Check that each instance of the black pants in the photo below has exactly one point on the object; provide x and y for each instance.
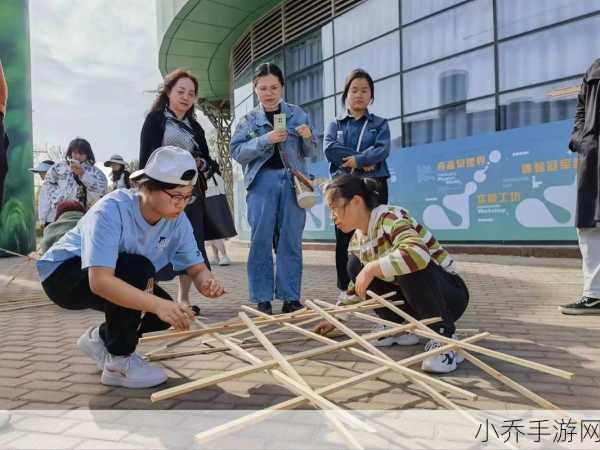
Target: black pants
(431, 292)
(342, 240)
(69, 288)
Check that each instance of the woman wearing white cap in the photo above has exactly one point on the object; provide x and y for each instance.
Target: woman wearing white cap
(119, 178)
(43, 195)
(109, 260)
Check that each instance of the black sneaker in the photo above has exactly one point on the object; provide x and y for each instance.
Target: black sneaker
(266, 308)
(289, 307)
(583, 306)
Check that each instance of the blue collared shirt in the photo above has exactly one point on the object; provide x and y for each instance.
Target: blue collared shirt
(341, 141)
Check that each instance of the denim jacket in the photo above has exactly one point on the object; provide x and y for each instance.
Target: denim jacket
(249, 145)
(341, 140)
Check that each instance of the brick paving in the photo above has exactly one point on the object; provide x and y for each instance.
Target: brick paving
(514, 297)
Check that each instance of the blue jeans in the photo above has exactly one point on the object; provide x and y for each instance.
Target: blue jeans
(272, 210)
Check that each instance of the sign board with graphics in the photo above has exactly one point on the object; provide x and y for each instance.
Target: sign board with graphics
(509, 186)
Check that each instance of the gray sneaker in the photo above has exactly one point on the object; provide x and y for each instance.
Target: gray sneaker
(92, 345)
(131, 372)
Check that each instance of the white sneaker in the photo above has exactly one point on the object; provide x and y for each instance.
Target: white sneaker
(345, 299)
(131, 372)
(225, 261)
(402, 339)
(442, 363)
(92, 345)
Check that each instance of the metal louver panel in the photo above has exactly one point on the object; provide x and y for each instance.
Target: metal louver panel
(267, 34)
(242, 55)
(301, 16)
(341, 6)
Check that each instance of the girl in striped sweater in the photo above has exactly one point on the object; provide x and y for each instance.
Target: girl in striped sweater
(391, 251)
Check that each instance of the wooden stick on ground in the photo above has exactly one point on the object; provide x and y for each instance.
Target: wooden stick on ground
(257, 416)
(236, 373)
(427, 332)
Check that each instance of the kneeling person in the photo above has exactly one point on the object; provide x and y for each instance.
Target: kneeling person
(391, 251)
(108, 263)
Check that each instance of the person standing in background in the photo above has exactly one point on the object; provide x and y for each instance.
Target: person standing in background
(172, 121)
(584, 142)
(119, 177)
(4, 143)
(75, 178)
(43, 200)
(268, 155)
(357, 143)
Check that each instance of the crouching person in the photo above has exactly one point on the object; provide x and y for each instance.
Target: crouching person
(391, 251)
(108, 263)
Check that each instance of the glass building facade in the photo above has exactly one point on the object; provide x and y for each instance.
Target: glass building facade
(443, 69)
(448, 70)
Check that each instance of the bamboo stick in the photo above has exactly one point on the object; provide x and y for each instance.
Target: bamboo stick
(257, 416)
(236, 326)
(297, 382)
(405, 371)
(236, 373)
(427, 332)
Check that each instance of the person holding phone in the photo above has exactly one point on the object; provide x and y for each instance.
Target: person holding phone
(270, 142)
(75, 178)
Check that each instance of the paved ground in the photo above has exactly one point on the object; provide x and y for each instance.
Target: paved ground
(512, 297)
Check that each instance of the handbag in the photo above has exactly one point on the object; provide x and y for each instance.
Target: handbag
(218, 221)
(306, 197)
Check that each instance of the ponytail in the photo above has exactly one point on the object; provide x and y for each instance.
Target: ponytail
(348, 186)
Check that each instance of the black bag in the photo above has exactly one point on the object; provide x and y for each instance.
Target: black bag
(218, 222)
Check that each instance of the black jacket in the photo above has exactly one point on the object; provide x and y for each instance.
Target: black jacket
(584, 141)
(152, 134)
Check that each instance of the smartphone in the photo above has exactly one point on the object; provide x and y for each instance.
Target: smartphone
(279, 121)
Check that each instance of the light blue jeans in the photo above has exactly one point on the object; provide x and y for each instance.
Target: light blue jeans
(273, 211)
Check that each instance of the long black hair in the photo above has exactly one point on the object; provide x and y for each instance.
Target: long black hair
(348, 186)
(82, 146)
(355, 74)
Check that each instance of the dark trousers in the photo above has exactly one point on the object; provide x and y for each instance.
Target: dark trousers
(431, 292)
(69, 288)
(342, 240)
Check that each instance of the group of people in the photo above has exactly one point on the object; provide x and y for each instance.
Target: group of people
(128, 240)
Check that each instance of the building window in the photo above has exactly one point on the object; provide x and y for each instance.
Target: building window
(387, 98)
(452, 80)
(305, 86)
(538, 105)
(364, 22)
(455, 122)
(369, 57)
(415, 9)
(303, 53)
(559, 52)
(519, 16)
(467, 26)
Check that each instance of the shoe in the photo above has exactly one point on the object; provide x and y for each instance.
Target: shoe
(347, 299)
(290, 307)
(225, 261)
(457, 356)
(92, 345)
(402, 339)
(265, 307)
(131, 372)
(583, 306)
(442, 363)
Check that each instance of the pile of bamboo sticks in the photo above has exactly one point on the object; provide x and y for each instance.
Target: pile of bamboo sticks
(227, 337)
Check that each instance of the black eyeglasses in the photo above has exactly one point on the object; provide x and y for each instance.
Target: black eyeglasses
(187, 199)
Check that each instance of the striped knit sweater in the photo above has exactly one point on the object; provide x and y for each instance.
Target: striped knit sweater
(399, 243)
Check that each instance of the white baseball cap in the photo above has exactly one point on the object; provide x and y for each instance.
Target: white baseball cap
(118, 159)
(171, 165)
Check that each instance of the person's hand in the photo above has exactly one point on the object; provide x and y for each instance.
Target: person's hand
(364, 279)
(277, 136)
(77, 169)
(176, 314)
(350, 162)
(304, 131)
(212, 288)
(323, 328)
(369, 168)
